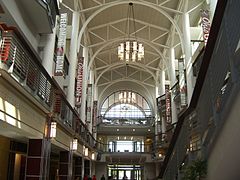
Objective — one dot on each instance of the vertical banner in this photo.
(78, 91)
(59, 68)
(158, 99)
(168, 104)
(89, 103)
(206, 24)
(161, 105)
(182, 83)
(158, 123)
(94, 116)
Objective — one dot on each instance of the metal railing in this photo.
(19, 60)
(51, 7)
(213, 91)
(147, 121)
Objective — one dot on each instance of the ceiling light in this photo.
(53, 129)
(133, 129)
(127, 97)
(74, 144)
(86, 151)
(93, 156)
(131, 49)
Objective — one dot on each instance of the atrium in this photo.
(119, 89)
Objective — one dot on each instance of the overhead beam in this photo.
(131, 19)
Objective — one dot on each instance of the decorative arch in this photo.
(116, 40)
(117, 65)
(139, 103)
(135, 2)
(151, 98)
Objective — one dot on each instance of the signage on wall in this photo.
(78, 91)
(182, 83)
(89, 103)
(59, 68)
(168, 104)
(94, 116)
(206, 24)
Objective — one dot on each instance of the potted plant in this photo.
(196, 170)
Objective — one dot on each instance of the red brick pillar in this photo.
(65, 165)
(78, 168)
(38, 159)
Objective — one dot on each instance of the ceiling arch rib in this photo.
(120, 63)
(148, 94)
(121, 38)
(116, 40)
(144, 3)
(134, 80)
(117, 65)
(160, 5)
(124, 19)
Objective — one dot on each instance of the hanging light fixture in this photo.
(127, 97)
(130, 50)
(53, 129)
(74, 144)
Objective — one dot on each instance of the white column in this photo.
(172, 82)
(84, 84)
(73, 58)
(212, 5)
(162, 82)
(91, 77)
(83, 165)
(91, 81)
(48, 51)
(95, 92)
(157, 118)
(187, 49)
(161, 92)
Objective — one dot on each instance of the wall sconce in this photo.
(93, 156)
(86, 152)
(53, 129)
(74, 144)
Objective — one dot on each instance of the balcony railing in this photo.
(51, 8)
(147, 121)
(25, 67)
(211, 97)
(21, 63)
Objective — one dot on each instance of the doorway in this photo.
(130, 172)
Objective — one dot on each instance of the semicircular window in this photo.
(125, 106)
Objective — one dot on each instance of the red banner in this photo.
(89, 103)
(94, 116)
(206, 24)
(168, 104)
(59, 68)
(78, 91)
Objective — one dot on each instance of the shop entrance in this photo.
(120, 172)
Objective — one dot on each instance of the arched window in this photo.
(125, 104)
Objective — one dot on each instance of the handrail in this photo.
(220, 8)
(24, 63)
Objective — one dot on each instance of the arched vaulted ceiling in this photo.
(157, 22)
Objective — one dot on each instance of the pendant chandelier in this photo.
(130, 50)
(127, 97)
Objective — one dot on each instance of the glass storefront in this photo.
(126, 146)
(120, 172)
